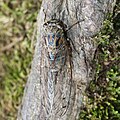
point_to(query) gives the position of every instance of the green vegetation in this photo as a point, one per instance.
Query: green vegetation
(103, 101)
(17, 39)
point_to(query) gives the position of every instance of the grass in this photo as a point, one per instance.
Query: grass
(17, 25)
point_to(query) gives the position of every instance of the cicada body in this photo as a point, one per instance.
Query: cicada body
(57, 71)
(55, 40)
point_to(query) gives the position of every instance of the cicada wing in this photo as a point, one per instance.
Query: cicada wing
(56, 89)
(62, 92)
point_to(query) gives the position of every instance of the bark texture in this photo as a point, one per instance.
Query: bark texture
(91, 13)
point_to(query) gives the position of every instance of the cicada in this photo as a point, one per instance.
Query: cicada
(57, 78)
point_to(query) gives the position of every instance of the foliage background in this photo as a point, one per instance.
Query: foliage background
(17, 41)
(103, 93)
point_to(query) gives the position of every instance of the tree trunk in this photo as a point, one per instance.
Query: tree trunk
(59, 96)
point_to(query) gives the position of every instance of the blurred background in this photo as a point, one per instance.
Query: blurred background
(17, 42)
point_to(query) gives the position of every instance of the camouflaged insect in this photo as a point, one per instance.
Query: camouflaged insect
(56, 81)
(55, 40)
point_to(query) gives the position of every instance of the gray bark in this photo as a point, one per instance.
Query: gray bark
(91, 13)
